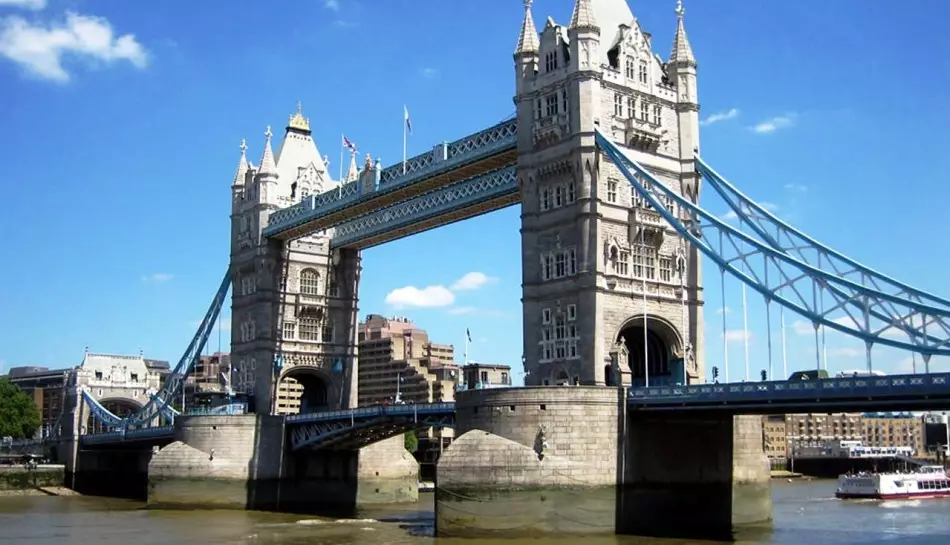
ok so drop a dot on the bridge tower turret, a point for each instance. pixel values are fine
(601, 269)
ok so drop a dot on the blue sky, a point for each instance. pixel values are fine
(122, 126)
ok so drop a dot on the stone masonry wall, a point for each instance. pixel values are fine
(540, 460)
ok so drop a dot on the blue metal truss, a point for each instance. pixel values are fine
(897, 392)
(443, 158)
(159, 403)
(357, 428)
(873, 316)
(154, 433)
(787, 279)
(495, 189)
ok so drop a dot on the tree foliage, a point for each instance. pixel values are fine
(19, 417)
(411, 441)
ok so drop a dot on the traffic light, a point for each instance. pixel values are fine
(764, 375)
(715, 371)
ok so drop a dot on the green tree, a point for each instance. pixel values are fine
(19, 417)
(411, 441)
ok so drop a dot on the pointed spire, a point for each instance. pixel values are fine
(268, 166)
(242, 166)
(353, 173)
(528, 39)
(583, 16)
(682, 52)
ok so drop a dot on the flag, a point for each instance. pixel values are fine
(468, 334)
(408, 122)
(349, 145)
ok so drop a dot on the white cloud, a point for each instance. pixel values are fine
(722, 310)
(462, 310)
(726, 115)
(734, 335)
(427, 297)
(775, 123)
(472, 281)
(35, 5)
(332, 4)
(798, 188)
(40, 49)
(429, 72)
(157, 277)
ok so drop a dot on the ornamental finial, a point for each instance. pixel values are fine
(527, 4)
(680, 11)
(267, 133)
(243, 146)
(298, 121)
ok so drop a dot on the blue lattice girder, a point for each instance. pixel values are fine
(895, 392)
(494, 146)
(785, 238)
(160, 402)
(497, 189)
(789, 273)
(154, 433)
(354, 428)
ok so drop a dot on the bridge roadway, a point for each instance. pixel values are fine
(356, 428)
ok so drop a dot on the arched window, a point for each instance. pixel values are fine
(309, 282)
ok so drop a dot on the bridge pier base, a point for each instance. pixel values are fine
(693, 475)
(572, 460)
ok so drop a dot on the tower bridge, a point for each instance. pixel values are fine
(603, 157)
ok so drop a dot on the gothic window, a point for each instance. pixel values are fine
(630, 68)
(546, 316)
(332, 289)
(618, 105)
(550, 61)
(657, 114)
(631, 106)
(560, 265)
(570, 192)
(611, 191)
(545, 199)
(643, 72)
(288, 330)
(571, 261)
(559, 328)
(309, 282)
(571, 313)
(666, 269)
(328, 331)
(564, 101)
(547, 266)
(644, 261)
(644, 111)
(550, 105)
(537, 109)
(309, 329)
(558, 197)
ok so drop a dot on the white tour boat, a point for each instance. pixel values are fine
(926, 482)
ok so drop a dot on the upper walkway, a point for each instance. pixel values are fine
(449, 163)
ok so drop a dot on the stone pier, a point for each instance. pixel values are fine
(244, 462)
(571, 460)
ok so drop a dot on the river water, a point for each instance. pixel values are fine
(805, 513)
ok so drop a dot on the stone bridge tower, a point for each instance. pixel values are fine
(294, 303)
(611, 293)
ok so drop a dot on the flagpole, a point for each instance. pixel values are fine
(466, 346)
(405, 117)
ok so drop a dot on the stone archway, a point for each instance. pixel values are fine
(304, 390)
(663, 349)
(118, 406)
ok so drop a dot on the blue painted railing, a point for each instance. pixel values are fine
(803, 393)
(155, 432)
(374, 412)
